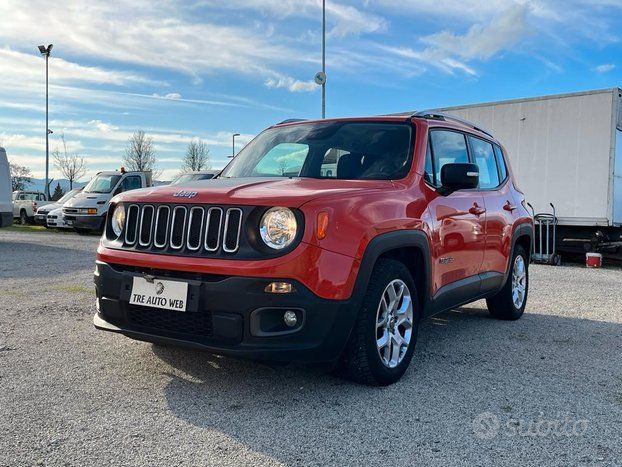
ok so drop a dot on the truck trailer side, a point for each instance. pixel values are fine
(567, 150)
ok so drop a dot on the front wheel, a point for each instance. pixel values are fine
(384, 336)
(510, 302)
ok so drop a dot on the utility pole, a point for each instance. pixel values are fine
(320, 76)
(324, 58)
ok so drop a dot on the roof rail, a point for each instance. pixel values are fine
(432, 115)
(292, 120)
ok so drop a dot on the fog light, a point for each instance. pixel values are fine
(290, 318)
(279, 287)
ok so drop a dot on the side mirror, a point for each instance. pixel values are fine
(459, 176)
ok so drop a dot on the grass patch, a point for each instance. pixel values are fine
(36, 228)
(75, 288)
(24, 228)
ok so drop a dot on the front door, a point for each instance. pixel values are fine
(457, 220)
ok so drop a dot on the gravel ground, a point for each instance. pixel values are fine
(545, 390)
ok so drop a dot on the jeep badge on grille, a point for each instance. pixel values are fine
(185, 194)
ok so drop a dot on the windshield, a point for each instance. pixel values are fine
(191, 178)
(102, 183)
(342, 150)
(67, 196)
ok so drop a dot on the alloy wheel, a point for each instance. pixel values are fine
(394, 323)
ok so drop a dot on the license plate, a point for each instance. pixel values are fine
(69, 222)
(168, 295)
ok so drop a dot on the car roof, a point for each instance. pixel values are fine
(430, 117)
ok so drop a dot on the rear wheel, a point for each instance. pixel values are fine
(23, 217)
(383, 339)
(510, 302)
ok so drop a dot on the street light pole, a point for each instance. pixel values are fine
(45, 51)
(233, 143)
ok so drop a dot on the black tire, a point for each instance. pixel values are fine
(23, 217)
(82, 231)
(361, 361)
(502, 305)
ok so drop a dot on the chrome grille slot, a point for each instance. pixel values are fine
(184, 229)
(178, 227)
(146, 224)
(212, 230)
(195, 227)
(233, 227)
(131, 224)
(161, 226)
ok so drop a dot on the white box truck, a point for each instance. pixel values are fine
(567, 150)
(6, 203)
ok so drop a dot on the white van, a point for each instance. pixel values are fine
(87, 210)
(6, 203)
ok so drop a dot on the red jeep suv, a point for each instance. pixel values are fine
(322, 241)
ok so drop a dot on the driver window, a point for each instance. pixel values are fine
(448, 147)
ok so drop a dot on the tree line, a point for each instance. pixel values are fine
(139, 155)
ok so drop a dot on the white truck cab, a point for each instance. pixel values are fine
(6, 204)
(87, 210)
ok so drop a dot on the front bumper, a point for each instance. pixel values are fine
(41, 219)
(223, 316)
(80, 222)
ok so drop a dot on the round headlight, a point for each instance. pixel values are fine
(278, 227)
(118, 219)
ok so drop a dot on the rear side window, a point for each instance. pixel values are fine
(503, 170)
(484, 157)
(448, 147)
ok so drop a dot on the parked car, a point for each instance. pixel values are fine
(86, 211)
(26, 203)
(194, 176)
(6, 204)
(41, 216)
(419, 215)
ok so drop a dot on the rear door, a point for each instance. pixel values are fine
(500, 206)
(458, 230)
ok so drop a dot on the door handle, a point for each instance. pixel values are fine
(476, 210)
(509, 207)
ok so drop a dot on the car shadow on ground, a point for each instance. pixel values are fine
(466, 363)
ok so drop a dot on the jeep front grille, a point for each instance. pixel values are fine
(183, 228)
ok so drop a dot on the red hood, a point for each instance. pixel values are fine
(290, 192)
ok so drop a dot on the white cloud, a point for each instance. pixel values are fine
(482, 41)
(451, 52)
(342, 19)
(171, 96)
(604, 68)
(144, 33)
(291, 84)
(21, 67)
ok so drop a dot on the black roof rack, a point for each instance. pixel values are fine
(292, 120)
(432, 115)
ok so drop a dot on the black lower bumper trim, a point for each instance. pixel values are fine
(219, 314)
(87, 222)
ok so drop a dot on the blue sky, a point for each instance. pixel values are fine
(206, 68)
